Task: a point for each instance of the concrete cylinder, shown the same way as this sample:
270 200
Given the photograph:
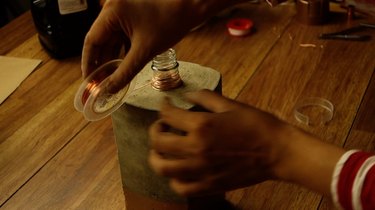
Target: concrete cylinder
143 189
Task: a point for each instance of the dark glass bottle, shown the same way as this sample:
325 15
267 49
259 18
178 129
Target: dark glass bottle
63 24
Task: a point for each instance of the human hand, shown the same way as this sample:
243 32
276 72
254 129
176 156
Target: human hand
145 28
232 146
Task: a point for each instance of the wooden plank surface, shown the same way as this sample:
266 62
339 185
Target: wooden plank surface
16 32
31 118
44 123
236 58
51 158
34 142
362 134
85 174
291 72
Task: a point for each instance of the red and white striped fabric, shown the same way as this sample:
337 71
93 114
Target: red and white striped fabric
353 181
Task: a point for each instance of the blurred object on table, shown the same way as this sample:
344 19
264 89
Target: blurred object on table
363 6
312 12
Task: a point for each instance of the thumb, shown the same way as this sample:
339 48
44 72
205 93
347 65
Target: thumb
132 63
210 100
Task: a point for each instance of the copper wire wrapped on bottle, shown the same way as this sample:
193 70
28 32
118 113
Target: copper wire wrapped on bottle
166 75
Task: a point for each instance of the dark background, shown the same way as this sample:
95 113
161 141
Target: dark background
10 9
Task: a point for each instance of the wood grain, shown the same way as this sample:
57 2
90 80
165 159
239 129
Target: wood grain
32 129
16 32
236 58
34 142
51 158
84 175
362 133
291 72
48 81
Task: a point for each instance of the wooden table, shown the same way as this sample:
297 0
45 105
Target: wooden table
52 158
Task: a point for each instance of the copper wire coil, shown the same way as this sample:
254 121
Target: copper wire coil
93 97
166 80
162 80
89 89
91 86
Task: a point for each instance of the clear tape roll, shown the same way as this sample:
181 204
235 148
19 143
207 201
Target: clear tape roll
325 105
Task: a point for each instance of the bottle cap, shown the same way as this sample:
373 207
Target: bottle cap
93 98
239 26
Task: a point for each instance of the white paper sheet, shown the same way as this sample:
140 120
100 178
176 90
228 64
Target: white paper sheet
12 72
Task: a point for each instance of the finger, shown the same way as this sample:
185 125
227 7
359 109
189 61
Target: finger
180 118
95 42
210 100
90 55
181 168
111 50
167 142
102 44
135 59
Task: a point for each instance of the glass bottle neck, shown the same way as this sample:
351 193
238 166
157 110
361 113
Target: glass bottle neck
166 75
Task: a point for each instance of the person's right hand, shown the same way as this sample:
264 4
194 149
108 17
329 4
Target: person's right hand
146 28
231 146
235 145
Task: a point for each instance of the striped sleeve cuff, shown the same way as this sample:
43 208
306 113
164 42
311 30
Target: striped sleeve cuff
353 181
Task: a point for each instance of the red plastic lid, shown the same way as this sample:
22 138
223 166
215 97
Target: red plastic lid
239 26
